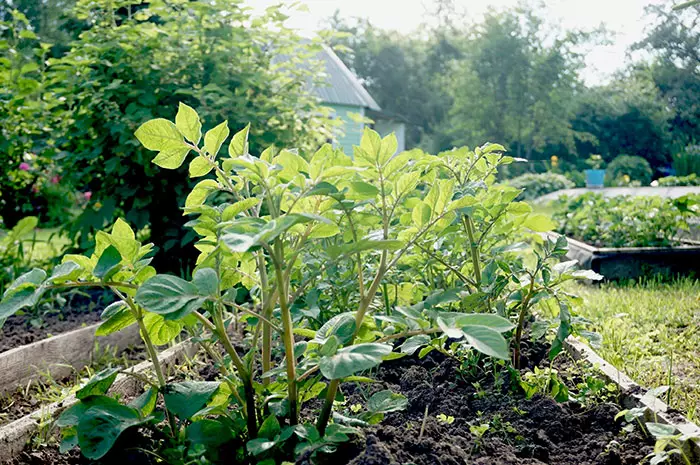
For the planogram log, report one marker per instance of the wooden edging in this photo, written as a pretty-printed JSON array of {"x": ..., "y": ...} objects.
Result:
[
  {"x": 633, "y": 396},
  {"x": 59, "y": 355},
  {"x": 15, "y": 435},
  {"x": 633, "y": 262}
]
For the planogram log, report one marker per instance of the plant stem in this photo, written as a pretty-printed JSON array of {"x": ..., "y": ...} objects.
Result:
[
  {"x": 469, "y": 226},
  {"x": 325, "y": 414},
  {"x": 521, "y": 322},
  {"x": 288, "y": 334}
]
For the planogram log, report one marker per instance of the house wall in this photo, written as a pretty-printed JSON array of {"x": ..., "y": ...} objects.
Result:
[
  {"x": 385, "y": 127},
  {"x": 351, "y": 130}
]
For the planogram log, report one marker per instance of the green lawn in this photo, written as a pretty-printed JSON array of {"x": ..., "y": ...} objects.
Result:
[{"x": 648, "y": 328}]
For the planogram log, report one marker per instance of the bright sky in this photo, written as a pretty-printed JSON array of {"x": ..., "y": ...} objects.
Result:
[{"x": 625, "y": 18}]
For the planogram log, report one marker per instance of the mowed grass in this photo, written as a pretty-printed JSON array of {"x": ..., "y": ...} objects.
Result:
[{"x": 651, "y": 331}]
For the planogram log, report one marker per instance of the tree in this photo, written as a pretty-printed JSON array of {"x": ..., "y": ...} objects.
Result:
[
  {"x": 515, "y": 85},
  {"x": 674, "y": 42}
]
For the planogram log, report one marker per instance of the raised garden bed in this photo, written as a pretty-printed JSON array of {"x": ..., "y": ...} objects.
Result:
[
  {"x": 448, "y": 419},
  {"x": 616, "y": 263}
]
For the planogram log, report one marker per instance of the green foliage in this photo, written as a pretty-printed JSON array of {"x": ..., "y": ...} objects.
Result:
[
  {"x": 628, "y": 168},
  {"x": 624, "y": 221},
  {"x": 687, "y": 161},
  {"x": 689, "y": 180},
  {"x": 537, "y": 185},
  {"x": 317, "y": 240},
  {"x": 544, "y": 381}
]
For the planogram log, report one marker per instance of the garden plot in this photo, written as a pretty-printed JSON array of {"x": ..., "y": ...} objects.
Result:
[
  {"x": 630, "y": 237},
  {"x": 378, "y": 303}
]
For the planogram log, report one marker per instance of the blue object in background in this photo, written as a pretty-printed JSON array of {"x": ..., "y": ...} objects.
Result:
[{"x": 595, "y": 178}]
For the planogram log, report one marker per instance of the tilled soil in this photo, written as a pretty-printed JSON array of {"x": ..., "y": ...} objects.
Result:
[
  {"x": 523, "y": 432},
  {"x": 80, "y": 310}
]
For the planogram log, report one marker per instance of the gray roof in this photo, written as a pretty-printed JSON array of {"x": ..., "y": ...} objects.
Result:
[{"x": 344, "y": 88}]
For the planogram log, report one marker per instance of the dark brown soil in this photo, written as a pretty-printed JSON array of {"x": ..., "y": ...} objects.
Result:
[
  {"x": 25, "y": 400},
  {"x": 80, "y": 310}
]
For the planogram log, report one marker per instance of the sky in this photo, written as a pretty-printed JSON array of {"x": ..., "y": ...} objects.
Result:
[{"x": 624, "y": 18}]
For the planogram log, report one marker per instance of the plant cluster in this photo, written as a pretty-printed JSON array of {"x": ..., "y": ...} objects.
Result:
[
  {"x": 687, "y": 161},
  {"x": 626, "y": 169},
  {"x": 323, "y": 266},
  {"x": 537, "y": 185},
  {"x": 689, "y": 180},
  {"x": 625, "y": 221}
]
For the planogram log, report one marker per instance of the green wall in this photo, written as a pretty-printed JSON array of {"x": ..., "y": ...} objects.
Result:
[{"x": 351, "y": 130}]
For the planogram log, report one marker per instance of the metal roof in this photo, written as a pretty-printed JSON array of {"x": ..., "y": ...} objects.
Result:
[{"x": 344, "y": 88}]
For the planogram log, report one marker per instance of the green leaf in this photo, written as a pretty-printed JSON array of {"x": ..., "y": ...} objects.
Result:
[
  {"x": 63, "y": 271},
  {"x": 146, "y": 402},
  {"x": 29, "y": 280},
  {"x": 363, "y": 190},
  {"x": 539, "y": 223},
  {"x": 118, "y": 319},
  {"x": 587, "y": 274},
  {"x": 169, "y": 296},
  {"x": 487, "y": 341},
  {"x": 76, "y": 412},
  {"x": 342, "y": 326},
  {"x": 187, "y": 122},
  {"x": 188, "y": 397},
  {"x": 200, "y": 166},
  {"x": 171, "y": 158},
  {"x": 386, "y": 401},
  {"x": 102, "y": 425},
  {"x": 200, "y": 192},
  {"x": 495, "y": 322},
  {"x": 215, "y": 137},
  {"x": 259, "y": 446},
  {"x": 352, "y": 359},
  {"x": 414, "y": 343},
  {"x": 206, "y": 281},
  {"x": 421, "y": 214},
  {"x": 108, "y": 263},
  {"x": 269, "y": 428},
  {"x": 235, "y": 209},
  {"x": 98, "y": 384},
  {"x": 210, "y": 433},
  {"x": 160, "y": 330},
  {"x": 659, "y": 430},
  {"x": 19, "y": 300},
  {"x": 239, "y": 142}
]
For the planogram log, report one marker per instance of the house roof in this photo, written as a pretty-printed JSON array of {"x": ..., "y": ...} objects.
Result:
[{"x": 344, "y": 88}]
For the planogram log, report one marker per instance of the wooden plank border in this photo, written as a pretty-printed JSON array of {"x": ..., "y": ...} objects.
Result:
[
  {"x": 58, "y": 355},
  {"x": 15, "y": 435},
  {"x": 633, "y": 396}
]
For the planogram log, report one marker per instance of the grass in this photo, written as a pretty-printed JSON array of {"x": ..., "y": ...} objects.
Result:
[{"x": 651, "y": 331}]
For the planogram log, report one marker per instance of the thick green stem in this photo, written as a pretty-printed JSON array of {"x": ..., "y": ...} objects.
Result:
[
  {"x": 327, "y": 408},
  {"x": 287, "y": 335},
  {"x": 474, "y": 246}
]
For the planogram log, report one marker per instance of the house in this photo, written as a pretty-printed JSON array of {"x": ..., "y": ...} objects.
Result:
[{"x": 352, "y": 104}]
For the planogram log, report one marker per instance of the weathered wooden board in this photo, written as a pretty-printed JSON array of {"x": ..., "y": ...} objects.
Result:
[
  {"x": 58, "y": 355},
  {"x": 14, "y": 436},
  {"x": 635, "y": 262},
  {"x": 633, "y": 396}
]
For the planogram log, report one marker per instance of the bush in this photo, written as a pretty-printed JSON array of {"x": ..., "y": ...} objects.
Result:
[
  {"x": 687, "y": 162},
  {"x": 537, "y": 185},
  {"x": 124, "y": 69},
  {"x": 690, "y": 180},
  {"x": 625, "y": 221},
  {"x": 626, "y": 169},
  {"x": 577, "y": 177}
]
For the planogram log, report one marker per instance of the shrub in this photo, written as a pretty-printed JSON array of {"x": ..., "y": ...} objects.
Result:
[
  {"x": 687, "y": 161},
  {"x": 689, "y": 180},
  {"x": 625, "y": 221},
  {"x": 577, "y": 177},
  {"x": 537, "y": 185},
  {"x": 626, "y": 169}
]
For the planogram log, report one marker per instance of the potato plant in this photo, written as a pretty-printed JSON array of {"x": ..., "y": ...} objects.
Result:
[{"x": 347, "y": 262}]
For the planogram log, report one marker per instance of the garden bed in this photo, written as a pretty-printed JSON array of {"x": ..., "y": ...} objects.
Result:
[
  {"x": 616, "y": 263},
  {"x": 455, "y": 418}
]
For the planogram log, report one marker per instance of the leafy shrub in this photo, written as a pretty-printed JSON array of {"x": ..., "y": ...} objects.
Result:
[
  {"x": 537, "y": 185},
  {"x": 626, "y": 169},
  {"x": 689, "y": 180},
  {"x": 576, "y": 177},
  {"x": 127, "y": 68},
  {"x": 687, "y": 161},
  {"x": 625, "y": 221},
  {"x": 342, "y": 257}
]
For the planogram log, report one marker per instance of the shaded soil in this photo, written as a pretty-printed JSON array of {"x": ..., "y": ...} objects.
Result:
[
  {"x": 80, "y": 310},
  {"x": 523, "y": 432},
  {"x": 23, "y": 401}
]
